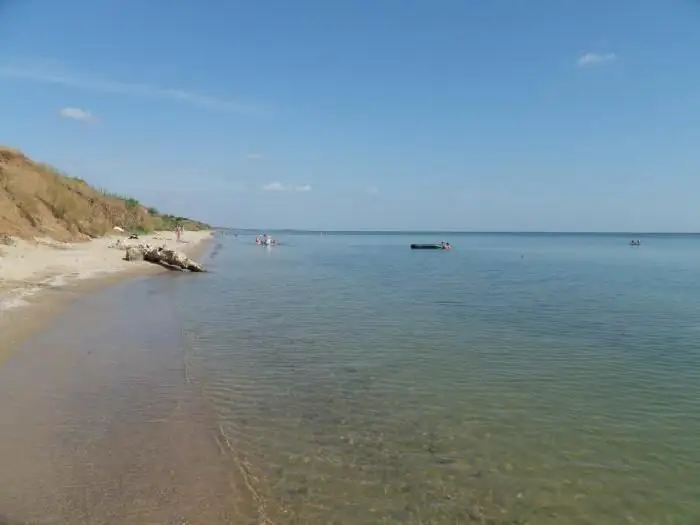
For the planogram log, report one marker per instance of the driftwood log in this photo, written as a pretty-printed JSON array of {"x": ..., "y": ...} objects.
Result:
[{"x": 163, "y": 256}]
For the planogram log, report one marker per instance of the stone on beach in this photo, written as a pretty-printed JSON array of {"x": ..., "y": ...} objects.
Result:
[
  {"x": 163, "y": 256},
  {"x": 133, "y": 253}
]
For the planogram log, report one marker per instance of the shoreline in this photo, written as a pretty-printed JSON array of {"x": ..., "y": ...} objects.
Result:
[
  {"x": 107, "y": 424},
  {"x": 38, "y": 278}
]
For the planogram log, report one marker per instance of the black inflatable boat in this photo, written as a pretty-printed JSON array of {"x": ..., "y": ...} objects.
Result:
[{"x": 430, "y": 246}]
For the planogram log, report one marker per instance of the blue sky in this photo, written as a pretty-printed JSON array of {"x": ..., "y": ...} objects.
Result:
[{"x": 416, "y": 114}]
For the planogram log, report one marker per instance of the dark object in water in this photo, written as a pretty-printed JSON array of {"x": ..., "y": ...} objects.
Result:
[
  {"x": 635, "y": 242},
  {"x": 430, "y": 246}
]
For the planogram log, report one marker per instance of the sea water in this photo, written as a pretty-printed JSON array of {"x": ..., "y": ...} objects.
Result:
[
  {"x": 514, "y": 379},
  {"x": 346, "y": 379}
]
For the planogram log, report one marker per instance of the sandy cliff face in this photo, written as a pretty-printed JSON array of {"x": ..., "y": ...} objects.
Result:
[{"x": 38, "y": 201}]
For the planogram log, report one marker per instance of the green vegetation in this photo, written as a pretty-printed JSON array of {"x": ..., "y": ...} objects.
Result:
[
  {"x": 132, "y": 203},
  {"x": 169, "y": 222},
  {"x": 113, "y": 195}
]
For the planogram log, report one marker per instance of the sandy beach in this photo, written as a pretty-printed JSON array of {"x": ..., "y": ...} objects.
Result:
[
  {"x": 104, "y": 425},
  {"x": 32, "y": 272}
]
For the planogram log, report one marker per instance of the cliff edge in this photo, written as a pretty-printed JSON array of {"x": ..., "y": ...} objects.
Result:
[{"x": 36, "y": 200}]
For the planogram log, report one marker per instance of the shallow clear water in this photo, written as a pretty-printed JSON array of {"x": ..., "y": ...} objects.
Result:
[
  {"x": 515, "y": 379},
  {"x": 540, "y": 379}
]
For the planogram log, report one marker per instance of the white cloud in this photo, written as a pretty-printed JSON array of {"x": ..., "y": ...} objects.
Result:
[
  {"x": 592, "y": 59},
  {"x": 278, "y": 186},
  {"x": 77, "y": 114},
  {"x": 274, "y": 186},
  {"x": 48, "y": 73},
  {"x": 254, "y": 156},
  {"x": 373, "y": 190}
]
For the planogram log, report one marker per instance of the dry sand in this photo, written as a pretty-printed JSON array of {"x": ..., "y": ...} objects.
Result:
[
  {"x": 27, "y": 268},
  {"x": 32, "y": 272}
]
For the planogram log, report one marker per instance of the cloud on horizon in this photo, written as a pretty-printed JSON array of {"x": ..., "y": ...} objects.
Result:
[
  {"x": 593, "y": 59},
  {"x": 278, "y": 186},
  {"x": 77, "y": 114},
  {"x": 49, "y": 73}
]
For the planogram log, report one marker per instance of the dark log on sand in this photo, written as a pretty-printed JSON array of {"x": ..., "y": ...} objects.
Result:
[{"x": 163, "y": 256}]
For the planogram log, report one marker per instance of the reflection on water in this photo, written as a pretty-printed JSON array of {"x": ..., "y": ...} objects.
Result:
[{"x": 348, "y": 380}]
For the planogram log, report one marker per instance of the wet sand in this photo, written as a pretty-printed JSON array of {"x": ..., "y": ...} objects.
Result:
[{"x": 100, "y": 424}]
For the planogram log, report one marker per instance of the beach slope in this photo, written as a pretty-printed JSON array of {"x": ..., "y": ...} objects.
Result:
[{"x": 57, "y": 230}]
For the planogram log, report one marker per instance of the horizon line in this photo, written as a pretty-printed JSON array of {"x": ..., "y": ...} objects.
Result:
[{"x": 482, "y": 232}]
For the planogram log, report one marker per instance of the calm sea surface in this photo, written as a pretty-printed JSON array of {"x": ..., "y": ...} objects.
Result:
[
  {"x": 540, "y": 379},
  {"x": 515, "y": 379}
]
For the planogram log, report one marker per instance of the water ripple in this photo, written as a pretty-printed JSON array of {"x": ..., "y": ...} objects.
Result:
[{"x": 361, "y": 383}]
